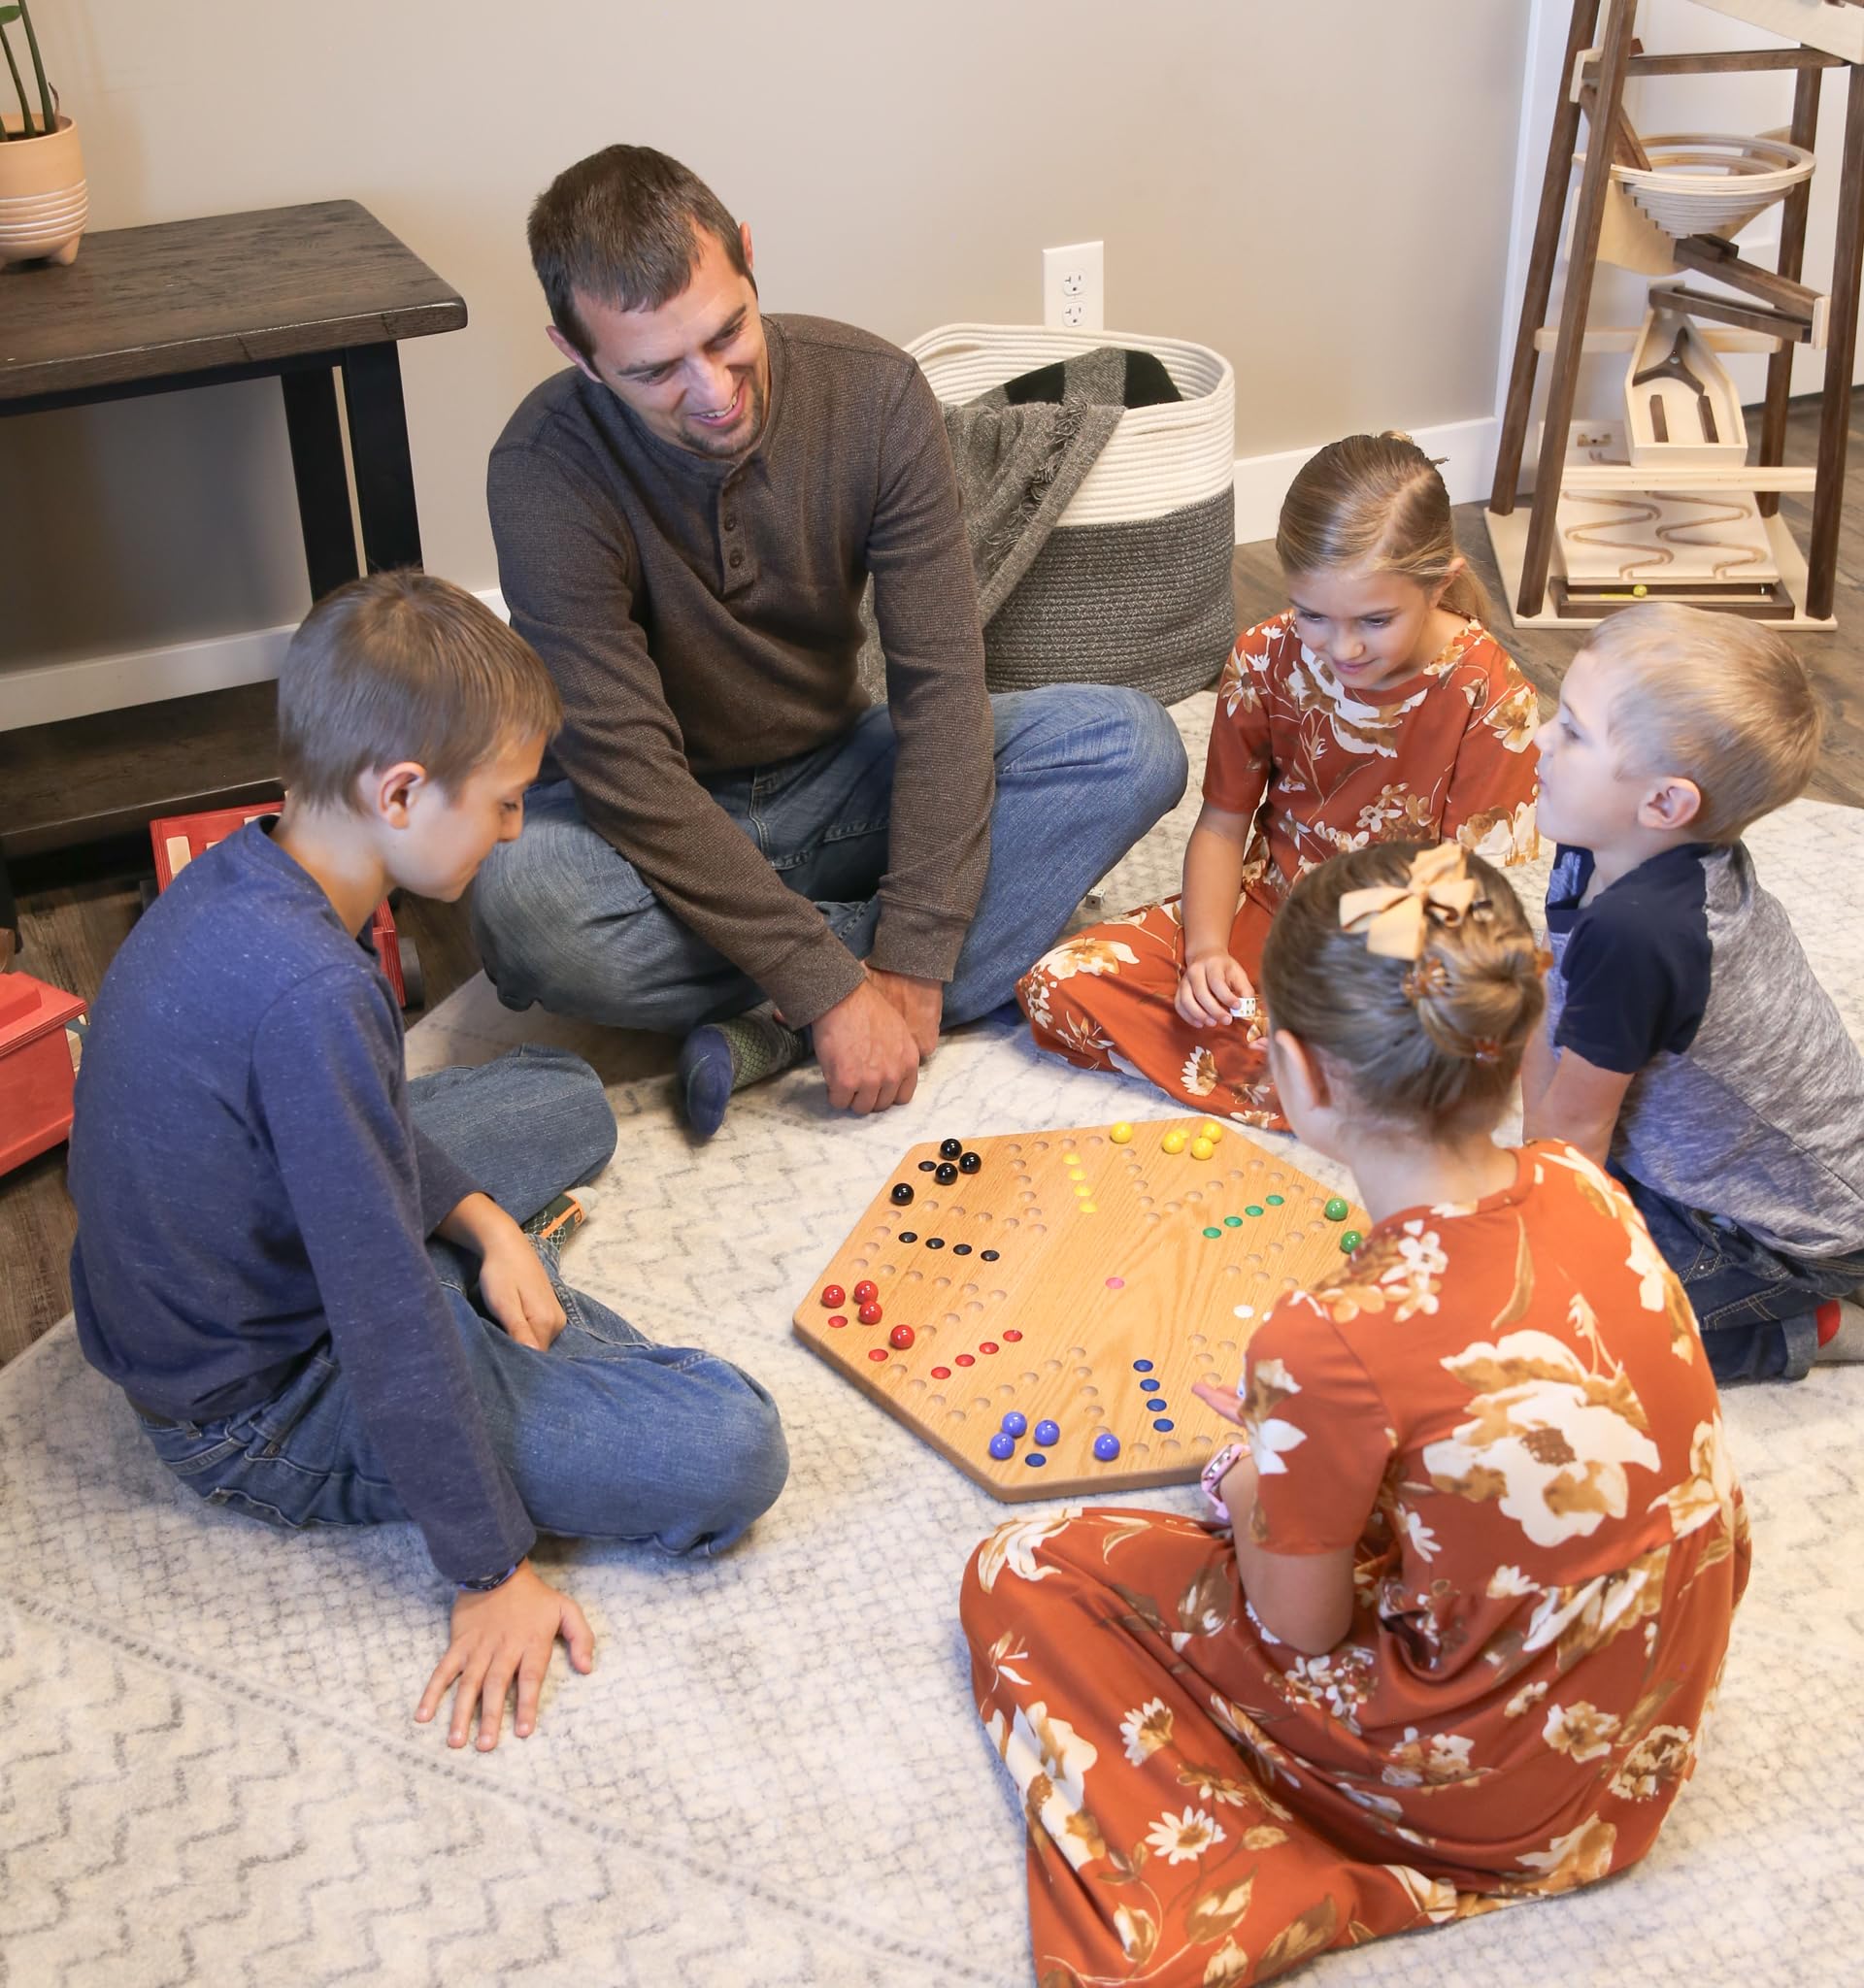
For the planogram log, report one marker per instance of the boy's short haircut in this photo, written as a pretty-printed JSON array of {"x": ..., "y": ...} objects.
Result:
[
  {"x": 401, "y": 665},
  {"x": 1715, "y": 699}
]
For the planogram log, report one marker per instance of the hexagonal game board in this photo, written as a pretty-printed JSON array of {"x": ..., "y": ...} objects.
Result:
[{"x": 1075, "y": 1282}]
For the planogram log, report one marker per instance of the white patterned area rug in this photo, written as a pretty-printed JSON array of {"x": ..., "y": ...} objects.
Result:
[{"x": 209, "y": 1774}]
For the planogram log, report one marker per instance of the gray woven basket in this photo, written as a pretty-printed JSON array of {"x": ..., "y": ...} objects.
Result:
[{"x": 1133, "y": 586}]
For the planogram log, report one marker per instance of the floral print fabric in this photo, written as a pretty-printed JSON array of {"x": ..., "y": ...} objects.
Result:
[
  {"x": 1320, "y": 770},
  {"x": 1492, "y": 1404}
]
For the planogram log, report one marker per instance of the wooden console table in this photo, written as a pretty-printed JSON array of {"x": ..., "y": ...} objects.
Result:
[{"x": 304, "y": 294}]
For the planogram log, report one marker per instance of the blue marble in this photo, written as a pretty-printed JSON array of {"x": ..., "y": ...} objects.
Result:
[
  {"x": 1106, "y": 1446},
  {"x": 1162, "y": 1423},
  {"x": 1142, "y": 1366},
  {"x": 1035, "y": 1459},
  {"x": 1014, "y": 1422},
  {"x": 1151, "y": 1386},
  {"x": 1002, "y": 1448},
  {"x": 1047, "y": 1433}
]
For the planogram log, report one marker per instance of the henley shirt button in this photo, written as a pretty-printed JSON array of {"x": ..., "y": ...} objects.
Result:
[
  {"x": 731, "y": 521},
  {"x": 736, "y": 560}
]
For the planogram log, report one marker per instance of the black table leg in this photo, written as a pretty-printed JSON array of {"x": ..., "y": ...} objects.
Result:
[
  {"x": 324, "y": 515},
  {"x": 378, "y": 449}
]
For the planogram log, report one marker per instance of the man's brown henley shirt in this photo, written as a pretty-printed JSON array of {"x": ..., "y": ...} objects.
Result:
[{"x": 701, "y": 618}]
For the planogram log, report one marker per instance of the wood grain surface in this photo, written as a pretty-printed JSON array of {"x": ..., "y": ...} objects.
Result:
[
  {"x": 232, "y": 291},
  {"x": 1123, "y": 1273}
]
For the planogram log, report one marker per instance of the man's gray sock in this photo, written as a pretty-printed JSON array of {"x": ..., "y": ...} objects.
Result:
[{"x": 724, "y": 1057}]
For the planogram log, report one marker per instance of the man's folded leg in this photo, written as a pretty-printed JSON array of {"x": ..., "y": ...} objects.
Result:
[
  {"x": 1083, "y": 772},
  {"x": 564, "y": 921}
]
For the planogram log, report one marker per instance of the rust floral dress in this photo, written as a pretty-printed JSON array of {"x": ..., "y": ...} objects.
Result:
[
  {"x": 1505, "y": 1408},
  {"x": 1446, "y": 755}
]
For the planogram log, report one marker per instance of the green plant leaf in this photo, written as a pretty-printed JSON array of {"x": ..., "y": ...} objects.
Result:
[{"x": 8, "y": 14}]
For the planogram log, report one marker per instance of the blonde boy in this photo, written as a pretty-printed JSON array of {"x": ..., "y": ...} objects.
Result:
[
  {"x": 308, "y": 1274},
  {"x": 1687, "y": 1042}
]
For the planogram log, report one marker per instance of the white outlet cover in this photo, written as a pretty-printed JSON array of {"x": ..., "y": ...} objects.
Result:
[{"x": 1074, "y": 286}]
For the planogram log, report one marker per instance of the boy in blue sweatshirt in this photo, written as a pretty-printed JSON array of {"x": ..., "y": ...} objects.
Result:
[{"x": 307, "y": 1274}]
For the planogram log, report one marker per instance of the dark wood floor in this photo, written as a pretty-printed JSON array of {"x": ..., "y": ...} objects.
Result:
[{"x": 73, "y": 922}]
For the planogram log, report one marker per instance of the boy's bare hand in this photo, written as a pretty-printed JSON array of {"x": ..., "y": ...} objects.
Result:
[
  {"x": 499, "y": 1638},
  {"x": 1209, "y": 988},
  {"x": 516, "y": 1290}
]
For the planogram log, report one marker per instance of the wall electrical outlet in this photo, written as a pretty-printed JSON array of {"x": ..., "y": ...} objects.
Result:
[{"x": 1073, "y": 286}]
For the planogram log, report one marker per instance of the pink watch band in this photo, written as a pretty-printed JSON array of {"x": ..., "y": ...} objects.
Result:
[{"x": 1214, "y": 1474}]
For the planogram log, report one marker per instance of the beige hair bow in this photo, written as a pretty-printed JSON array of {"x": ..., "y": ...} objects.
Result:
[{"x": 1396, "y": 917}]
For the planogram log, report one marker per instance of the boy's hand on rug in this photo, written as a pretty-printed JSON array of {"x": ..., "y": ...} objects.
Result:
[
  {"x": 1208, "y": 989},
  {"x": 517, "y": 1291},
  {"x": 500, "y": 1638},
  {"x": 869, "y": 1056},
  {"x": 919, "y": 1003}
]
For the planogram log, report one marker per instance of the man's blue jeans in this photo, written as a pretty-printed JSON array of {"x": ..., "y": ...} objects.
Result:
[
  {"x": 606, "y": 1436},
  {"x": 1756, "y": 1306},
  {"x": 1082, "y": 772}
]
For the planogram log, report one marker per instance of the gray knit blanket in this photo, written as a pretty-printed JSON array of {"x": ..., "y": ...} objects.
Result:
[
  {"x": 1146, "y": 602},
  {"x": 1019, "y": 465}
]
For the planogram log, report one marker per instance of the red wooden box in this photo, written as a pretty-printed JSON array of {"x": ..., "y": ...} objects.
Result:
[
  {"x": 41, "y": 1039},
  {"x": 178, "y": 839}
]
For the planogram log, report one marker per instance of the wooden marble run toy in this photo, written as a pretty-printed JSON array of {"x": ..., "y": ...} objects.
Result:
[{"x": 1666, "y": 208}]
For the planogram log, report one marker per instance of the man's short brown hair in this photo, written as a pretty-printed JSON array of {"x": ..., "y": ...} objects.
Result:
[
  {"x": 1711, "y": 698},
  {"x": 404, "y": 666},
  {"x": 624, "y": 225}
]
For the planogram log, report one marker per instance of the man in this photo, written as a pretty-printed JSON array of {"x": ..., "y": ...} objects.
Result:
[{"x": 733, "y": 846}]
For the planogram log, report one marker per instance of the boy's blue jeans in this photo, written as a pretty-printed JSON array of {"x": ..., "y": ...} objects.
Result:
[
  {"x": 607, "y": 1434},
  {"x": 1754, "y": 1305},
  {"x": 1082, "y": 772}
]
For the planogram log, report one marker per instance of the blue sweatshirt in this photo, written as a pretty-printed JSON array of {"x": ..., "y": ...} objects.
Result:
[{"x": 252, "y": 1190}]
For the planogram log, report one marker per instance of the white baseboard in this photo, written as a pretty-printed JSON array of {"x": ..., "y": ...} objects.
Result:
[
  {"x": 47, "y": 692},
  {"x": 1468, "y": 449}
]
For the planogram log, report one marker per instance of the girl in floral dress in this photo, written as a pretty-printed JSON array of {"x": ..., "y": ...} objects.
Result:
[
  {"x": 1451, "y": 1643},
  {"x": 1376, "y": 709}
]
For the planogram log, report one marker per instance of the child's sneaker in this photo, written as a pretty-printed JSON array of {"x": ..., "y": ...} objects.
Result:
[
  {"x": 551, "y": 1227},
  {"x": 1841, "y": 1331}
]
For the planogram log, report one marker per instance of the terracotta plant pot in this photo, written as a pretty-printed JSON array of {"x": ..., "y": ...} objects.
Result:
[{"x": 43, "y": 203}]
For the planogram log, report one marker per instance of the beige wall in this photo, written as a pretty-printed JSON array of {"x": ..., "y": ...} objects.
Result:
[{"x": 1321, "y": 191}]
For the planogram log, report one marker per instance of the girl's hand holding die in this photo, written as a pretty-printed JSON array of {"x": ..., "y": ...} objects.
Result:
[{"x": 1210, "y": 989}]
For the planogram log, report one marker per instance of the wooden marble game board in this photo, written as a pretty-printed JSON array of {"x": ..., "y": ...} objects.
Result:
[{"x": 1085, "y": 1277}]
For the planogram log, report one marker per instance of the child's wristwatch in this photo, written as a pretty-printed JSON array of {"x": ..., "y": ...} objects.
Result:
[
  {"x": 487, "y": 1582},
  {"x": 1216, "y": 1470}
]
